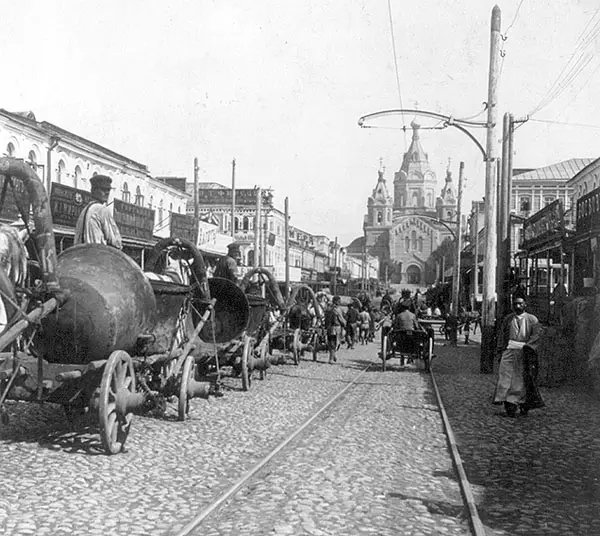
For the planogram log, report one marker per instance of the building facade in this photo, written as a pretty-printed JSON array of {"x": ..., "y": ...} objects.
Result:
[{"x": 404, "y": 230}]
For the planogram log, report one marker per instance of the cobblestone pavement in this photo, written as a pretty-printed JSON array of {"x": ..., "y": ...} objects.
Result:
[
  {"x": 373, "y": 471},
  {"x": 534, "y": 475}
]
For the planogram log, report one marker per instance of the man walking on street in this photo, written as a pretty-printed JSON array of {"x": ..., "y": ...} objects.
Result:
[
  {"x": 334, "y": 322},
  {"x": 351, "y": 325},
  {"x": 517, "y": 375},
  {"x": 96, "y": 224}
]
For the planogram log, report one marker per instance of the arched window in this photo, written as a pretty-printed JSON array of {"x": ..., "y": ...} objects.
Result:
[
  {"x": 429, "y": 200},
  {"x": 413, "y": 239},
  {"x": 139, "y": 198},
  {"x": 76, "y": 176},
  {"x": 60, "y": 171},
  {"x": 449, "y": 215},
  {"x": 160, "y": 212},
  {"x": 237, "y": 224},
  {"x": 32, "y": 160},
  {"x": 406, "y": 243},
  {"x": 415, "y": 199},
  {"x": 126, "y": 194},
  {"x": 150, "y": 202},
  {"x": 10, "y": 149},
  {"x": 525, "y": 204},
  {"x": 420, "y": 244},
  {"x": 379, "y": 217},
  {"x": 245, "y": 223},
  {"x": 170, "y": 208},
  {"x": 547, "y": 200}
]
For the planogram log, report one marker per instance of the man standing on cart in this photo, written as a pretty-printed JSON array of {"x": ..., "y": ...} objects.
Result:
[
  {"x": 96, "y": 224},
  {"x": 228, "y": 265}
]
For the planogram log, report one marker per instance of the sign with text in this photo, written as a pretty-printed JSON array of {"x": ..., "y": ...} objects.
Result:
[
  {"x": 134, "y": 221},
  {"x": 545, "y": 225},
  {"x": 243, "y": 196},
  {"x": 67, "y": 203},
  {"x": 588, "y": 211},
  {"x": 13, "y": 195},
  {"x": 183, "y": 226}
]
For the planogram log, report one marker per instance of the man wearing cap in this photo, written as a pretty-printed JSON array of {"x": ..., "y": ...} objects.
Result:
[
  {"x": 96, "y": 224},
  {"x": 228, "y": 266}
]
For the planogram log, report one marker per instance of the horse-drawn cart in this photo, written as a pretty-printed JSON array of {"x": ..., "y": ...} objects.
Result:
[{"x": 89, "y": 330}]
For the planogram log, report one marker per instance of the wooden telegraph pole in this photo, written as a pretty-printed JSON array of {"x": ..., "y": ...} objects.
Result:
[
  {"x": 458, "y": 244},
  {"x": 491, "y": 238},
  {"x": 257, "y": 227},
  {"x": 287, "y": 248},
  {"x": 335, "y": 261},
  {"x": 196, "y": 189},
  {"x": 233, "y": 199}
]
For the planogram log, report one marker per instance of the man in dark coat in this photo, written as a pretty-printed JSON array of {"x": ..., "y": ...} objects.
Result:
[{"x": 228, "y": 266}]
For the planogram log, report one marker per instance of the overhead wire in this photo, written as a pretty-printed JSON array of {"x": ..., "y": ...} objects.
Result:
[
  {"x": 395, "y": 60},
  {"x": 575, "y": 65}
]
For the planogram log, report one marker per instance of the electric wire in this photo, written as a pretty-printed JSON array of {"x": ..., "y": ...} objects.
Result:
[
  {"x": 395, "y": 60},
  {"x": 565, "y": 123},
  {"x": 575, "y": 65}
]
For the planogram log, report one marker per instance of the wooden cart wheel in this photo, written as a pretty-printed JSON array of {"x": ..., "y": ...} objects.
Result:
[
  {"x": 246, "y": 373},
  {"x": 118, "y": 382},
  {"x": 262, "y": 355},
  {"x": 296, "y": 346},
  {"x": 187, "y": 375},
  {"x": 384, "y": 352},
  {"x": 315, "y": 343}
]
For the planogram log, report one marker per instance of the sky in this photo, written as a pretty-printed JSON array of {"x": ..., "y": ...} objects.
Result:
[{"x": 280, "y": 86}]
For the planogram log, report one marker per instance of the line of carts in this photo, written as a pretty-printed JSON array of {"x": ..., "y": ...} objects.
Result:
[{"x": 91, "y": 331}]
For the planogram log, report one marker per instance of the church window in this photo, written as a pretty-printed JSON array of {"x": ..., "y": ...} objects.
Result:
[
  {"x": 413, "y": 239},
  {"x": 406, "y": 243},
  {"x": 10, "y": 149},
  {"x": 415, "y": 199},
  {"x": 525, "y": 204},
  {"x": 379, "y": 217},
  {"x": 420, "y": 244},
  {"x": 429, "y": 200}
]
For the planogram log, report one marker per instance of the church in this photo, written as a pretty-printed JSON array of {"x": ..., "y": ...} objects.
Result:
[{"x": 405, "y": 229}]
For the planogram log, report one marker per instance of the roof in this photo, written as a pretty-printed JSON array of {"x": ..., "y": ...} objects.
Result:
[
  {"x": 211, "y": 186},
  {"x": 590, "y": 167},
  {"x": 560, "y": 171}
]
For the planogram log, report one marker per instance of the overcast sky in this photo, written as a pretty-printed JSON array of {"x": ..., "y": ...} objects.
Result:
[{"x": 280, "y": 85}]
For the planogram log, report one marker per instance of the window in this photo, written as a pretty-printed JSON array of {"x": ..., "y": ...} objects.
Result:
[
  {"x": 237, "y": 223},
  {"x": 76, "y": 176},
  {"x": 245, "y": 223},
  {"x": 413, "y": 239},
  {"x": 420, "y": 244},
  {"x": 525, "y": 205},
  {"x": 415, "y": 199},
  {"x": 125, "y": 193},
  {"x": 150, "y": 202},
  {"x": 139, "y": 198},
  {"x": 60, "y": 171},
  {"x": 548, "y": 200},
  {"x": 379, "y": 217},
  {"x": 170, "y": 208},
  {"x": 10, "y": 149},
  {"x": 160, "y": 212},
  {"x": 406, "y": 243},
  {"x": 32, "y": 160}
]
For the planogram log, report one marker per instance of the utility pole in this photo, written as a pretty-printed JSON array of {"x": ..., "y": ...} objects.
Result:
[
  {"x": 504, "y": 189},
  {"x": 257, "y": 226},
  {"x": 488, "y": 330},
  {"x": 196, "y": 190},
  {"x": 335, "y": 259},
  {"x": 476, "y": 262},
  {"x": 233, "y": 199},
  {"x": 287, "y": 248},
  {"x": 456, "y": 269}
]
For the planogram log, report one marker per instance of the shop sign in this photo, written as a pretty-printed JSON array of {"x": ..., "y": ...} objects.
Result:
[
  {"x": 588, "y": 211},
  {"x": 15, "y": 193},
  {"x": 243, "y": 196},
  {"x": 545, "y": 225},
  {"x": 185, "y": 227},
  {"x": 134, "y": 221},
  {"x": 67, "y": 203}
]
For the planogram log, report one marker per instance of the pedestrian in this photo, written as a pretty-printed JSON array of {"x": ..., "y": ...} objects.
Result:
[
  {"x": 96, "y": 224},
  {"x": 516, "y": 349},
  {"x": 351, "y": 325},
  {"x": 364, "y": 319},
  {"x": 334, "y": 323},
  {"x": 227, "y": 268},
  {"x": 467, "y": 328}
]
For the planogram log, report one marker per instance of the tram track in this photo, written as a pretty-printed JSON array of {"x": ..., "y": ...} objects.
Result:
[{"x": 283, "y": 448}]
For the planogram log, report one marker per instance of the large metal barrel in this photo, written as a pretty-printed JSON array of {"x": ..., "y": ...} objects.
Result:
[
  {"x": 231, "y": 312},
  {"x": 110, "y": 303}
]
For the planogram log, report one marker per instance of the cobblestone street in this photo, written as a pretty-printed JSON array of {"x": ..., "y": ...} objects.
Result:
[{"x": 534, "y": 475}]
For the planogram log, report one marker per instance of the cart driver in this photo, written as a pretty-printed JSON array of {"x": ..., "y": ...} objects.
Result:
[
  {"x": 228, "y": 265},
  {"x": 96, "y": 224},
  {"x": 405, "y": 319}
]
